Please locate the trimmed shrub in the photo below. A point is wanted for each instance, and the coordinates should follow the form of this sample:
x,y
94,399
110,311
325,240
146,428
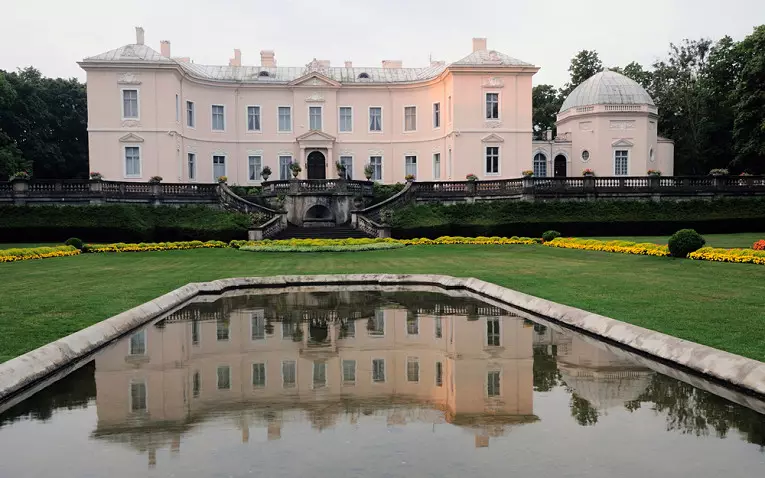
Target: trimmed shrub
x,y
548,236
75,242
685,241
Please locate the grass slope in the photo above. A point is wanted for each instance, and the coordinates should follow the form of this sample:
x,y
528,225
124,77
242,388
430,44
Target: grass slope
x,y
716,304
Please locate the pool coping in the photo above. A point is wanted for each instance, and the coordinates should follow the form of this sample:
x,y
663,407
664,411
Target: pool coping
x,y
25,371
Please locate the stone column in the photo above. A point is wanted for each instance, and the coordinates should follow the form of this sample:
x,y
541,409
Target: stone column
x,y
329,164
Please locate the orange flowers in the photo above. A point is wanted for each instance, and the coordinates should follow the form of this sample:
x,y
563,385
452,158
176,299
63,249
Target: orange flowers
x,y
759,245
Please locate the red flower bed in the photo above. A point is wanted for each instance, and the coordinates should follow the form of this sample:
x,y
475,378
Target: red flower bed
x,y
759,245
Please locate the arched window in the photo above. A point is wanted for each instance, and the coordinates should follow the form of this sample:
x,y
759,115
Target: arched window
x,y
540,165
363,76
264,73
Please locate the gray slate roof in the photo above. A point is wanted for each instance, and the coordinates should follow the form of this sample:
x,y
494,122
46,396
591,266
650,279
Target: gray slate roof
x,y
607,88
252,74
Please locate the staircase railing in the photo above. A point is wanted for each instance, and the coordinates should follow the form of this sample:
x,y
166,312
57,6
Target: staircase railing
x,y
267,222
368,219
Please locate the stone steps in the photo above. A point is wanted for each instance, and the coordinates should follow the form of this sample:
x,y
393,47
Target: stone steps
x,y
337,232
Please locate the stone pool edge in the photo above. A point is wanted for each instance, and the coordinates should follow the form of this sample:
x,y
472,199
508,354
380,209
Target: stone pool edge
x,y
24,371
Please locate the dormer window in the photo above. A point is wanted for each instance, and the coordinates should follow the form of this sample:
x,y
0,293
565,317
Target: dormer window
x,y
264,74
363,76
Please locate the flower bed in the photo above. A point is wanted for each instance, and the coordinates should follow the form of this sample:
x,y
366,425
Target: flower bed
x,y
13,255
759,245
376,246
745,256
624,247
153,246
480,240
309,242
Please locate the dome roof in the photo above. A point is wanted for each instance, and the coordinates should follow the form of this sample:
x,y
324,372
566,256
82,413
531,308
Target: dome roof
x,y
607,88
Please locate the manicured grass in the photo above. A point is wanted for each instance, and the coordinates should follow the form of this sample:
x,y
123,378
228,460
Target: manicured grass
x,y
740,240
716,304
27,245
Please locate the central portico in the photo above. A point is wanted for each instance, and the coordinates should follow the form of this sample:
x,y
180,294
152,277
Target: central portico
x,y
316,154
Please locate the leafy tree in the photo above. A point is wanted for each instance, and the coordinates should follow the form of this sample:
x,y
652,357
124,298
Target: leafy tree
x,y
635,71
585,64
546,100
749,120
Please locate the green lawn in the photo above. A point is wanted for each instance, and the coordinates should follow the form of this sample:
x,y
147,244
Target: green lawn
x,y
741,240
23,245
716,304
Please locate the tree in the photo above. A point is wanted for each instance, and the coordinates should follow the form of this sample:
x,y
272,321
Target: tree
x,y
585,64
546,100
749,120
635,71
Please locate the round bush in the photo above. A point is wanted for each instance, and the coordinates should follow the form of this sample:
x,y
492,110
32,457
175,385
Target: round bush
x,y
685,241
74,241
550,235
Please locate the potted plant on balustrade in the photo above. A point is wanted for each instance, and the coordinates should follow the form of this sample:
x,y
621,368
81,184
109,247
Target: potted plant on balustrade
x,y
96,179
653,178
369,171
222,179
154,185
471,177
589,178
410,177
295,168
719,175
340,167
20,181
527,177
266,173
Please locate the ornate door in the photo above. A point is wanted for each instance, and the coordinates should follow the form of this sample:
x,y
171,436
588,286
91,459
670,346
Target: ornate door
x,y
317,168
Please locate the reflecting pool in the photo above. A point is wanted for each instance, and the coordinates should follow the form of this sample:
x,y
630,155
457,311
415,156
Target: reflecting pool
x,y
373,383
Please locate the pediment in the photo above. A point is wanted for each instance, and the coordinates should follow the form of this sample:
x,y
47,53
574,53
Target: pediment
x,y
623,143
315,136
314,79
131,138
492,138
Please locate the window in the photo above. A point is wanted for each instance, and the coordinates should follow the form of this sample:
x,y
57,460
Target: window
x,y
195,330
133,161
540,165
411,165
222,330
285,119
319,374
218,117
436,165
284,167
129,104
289,373
375,118
196,384
190,115
439,328
347,162
346,119
449,164
651,156
349,371
621,157
412,369
363,76
177,108
439,374
254,167
264,74
585,155
314,118
219,166
436,115
258,375
192,166
138,343
412,324
253,118
376,162
378,370
224,377
492,384
410,118
349,329
377,327
492,332
449,108
138,396
257,326
492,105
288,329
492,160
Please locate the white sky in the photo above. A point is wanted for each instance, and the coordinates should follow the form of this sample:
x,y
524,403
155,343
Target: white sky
x,y
53,35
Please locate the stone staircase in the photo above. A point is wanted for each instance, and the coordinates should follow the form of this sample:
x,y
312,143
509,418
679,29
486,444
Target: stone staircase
x,y
338,232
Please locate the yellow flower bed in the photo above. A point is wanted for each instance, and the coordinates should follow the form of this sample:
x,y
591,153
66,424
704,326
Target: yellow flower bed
x,y
624,247
407,242
13,255
745,256
481,240
154,246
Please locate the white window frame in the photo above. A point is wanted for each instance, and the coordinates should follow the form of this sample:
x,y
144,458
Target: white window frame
x,y
265,375
279,165
212,119
372,371
198,324
351,157
342,372
137,117
437,170
486,331
193,105
499,159
369,120
370,332
196,392
247,119
228,331
281,371
486,383
416,327
340,119
436,321
406,156
407,131
627,150
382,165
188,169
435,373
321,117
145,344
533,164
217,382
145,398
486,102
313,374
257,173
439,116
413,360
225,165
278,124
257,315
124,161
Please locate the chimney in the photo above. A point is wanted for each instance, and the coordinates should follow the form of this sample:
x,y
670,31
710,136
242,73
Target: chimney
x,y
237,60
139,35
392,63
479,44
267,58
164,48
349,64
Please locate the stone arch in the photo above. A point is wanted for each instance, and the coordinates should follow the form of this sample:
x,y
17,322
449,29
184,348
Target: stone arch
x,y
318,212
560,166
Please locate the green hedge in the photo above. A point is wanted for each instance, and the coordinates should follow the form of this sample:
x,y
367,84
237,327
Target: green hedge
x,y
590,218
120,223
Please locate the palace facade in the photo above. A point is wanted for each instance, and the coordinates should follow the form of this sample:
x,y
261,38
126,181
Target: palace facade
x,y
153,114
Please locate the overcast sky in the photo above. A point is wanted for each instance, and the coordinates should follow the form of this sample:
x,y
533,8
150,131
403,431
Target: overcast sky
x,y
53,35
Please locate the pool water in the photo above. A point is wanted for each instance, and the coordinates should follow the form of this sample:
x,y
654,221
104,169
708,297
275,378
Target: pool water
x,y
372,383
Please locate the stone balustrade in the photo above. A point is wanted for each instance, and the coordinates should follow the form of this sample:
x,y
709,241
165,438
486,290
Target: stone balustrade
x,y
313,186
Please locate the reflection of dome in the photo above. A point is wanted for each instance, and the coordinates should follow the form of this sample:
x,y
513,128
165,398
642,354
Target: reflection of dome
x,y
606,389
607,88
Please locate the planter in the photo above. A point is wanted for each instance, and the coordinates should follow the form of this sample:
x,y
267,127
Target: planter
x,y
528,182
96,185
653,181
20,185
266,176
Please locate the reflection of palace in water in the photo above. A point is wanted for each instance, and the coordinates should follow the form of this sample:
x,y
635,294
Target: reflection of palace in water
x,y
263,360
